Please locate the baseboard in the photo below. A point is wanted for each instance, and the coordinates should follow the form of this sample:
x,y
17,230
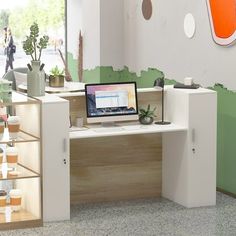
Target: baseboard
x,y
226,192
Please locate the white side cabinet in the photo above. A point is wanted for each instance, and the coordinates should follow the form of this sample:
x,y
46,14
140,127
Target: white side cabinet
x,y
189,159
56,163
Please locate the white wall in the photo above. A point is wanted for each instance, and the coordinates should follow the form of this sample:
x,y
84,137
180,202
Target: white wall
x,y
112,33
102,25
74,24
161,43
84,15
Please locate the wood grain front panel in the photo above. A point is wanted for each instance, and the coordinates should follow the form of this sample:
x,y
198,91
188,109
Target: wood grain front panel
x,y
115,168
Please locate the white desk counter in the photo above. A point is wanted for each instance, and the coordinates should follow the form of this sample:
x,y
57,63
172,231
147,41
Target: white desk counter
x,y
94,131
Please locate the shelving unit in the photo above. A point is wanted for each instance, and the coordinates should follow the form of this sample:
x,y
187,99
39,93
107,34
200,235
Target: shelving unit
x,y
29,167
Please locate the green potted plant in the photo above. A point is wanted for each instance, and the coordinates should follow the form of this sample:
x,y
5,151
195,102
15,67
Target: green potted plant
x,y
146,116
56,77
33,46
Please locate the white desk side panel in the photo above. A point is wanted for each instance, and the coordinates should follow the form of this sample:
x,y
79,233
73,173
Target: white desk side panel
x,y
56,174
190,178
174,156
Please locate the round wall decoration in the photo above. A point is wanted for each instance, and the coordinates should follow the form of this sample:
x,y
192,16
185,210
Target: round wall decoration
x,y
189,25
147,9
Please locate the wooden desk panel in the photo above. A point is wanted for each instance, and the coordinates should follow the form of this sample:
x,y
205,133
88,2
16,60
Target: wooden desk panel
x,y
116,168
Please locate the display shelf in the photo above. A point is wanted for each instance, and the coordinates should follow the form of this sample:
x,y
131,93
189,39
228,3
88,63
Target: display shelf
x,y
18,99
20,219
22,137
22,173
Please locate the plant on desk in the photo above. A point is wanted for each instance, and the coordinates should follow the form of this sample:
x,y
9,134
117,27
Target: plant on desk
x,y
146,117
33,46
56,78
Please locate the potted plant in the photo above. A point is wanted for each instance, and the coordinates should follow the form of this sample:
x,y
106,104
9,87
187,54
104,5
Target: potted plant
x,y
56,78
33,46
146,116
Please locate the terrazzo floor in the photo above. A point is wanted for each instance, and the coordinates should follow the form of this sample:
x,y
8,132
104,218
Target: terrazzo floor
x,y
141,218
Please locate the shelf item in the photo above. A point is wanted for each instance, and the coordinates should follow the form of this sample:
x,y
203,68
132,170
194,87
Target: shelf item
x,y
19,99
13,123
15,199
19,219
22,137
3,200
11,156
20,172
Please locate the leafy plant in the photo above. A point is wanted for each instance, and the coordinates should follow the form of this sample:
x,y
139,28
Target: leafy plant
x,y
55,71
148,112
33,45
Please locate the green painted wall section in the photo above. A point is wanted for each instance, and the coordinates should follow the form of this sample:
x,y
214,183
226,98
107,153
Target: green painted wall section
x,y
72,66
226,139
105,74
226,123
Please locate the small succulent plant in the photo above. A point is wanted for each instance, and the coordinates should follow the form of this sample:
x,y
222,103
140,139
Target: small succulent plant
x,y
55,71
148,112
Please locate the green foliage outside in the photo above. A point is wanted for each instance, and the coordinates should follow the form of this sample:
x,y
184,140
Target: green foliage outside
x,y
49,14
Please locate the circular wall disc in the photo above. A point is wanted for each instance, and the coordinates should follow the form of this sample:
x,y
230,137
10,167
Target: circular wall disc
x,y
147,9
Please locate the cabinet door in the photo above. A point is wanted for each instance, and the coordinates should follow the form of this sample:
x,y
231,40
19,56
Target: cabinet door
x,y
56,176
202,149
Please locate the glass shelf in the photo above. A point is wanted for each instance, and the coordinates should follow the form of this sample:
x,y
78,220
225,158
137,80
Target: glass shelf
x,y
18,99
9,216
21,172
22,137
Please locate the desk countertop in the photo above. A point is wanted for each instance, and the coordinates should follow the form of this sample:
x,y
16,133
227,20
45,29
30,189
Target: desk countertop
x,y
94,131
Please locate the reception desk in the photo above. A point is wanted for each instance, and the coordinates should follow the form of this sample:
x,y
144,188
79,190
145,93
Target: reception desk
x,y
177,161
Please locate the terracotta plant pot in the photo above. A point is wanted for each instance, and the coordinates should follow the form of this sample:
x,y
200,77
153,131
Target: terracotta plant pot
x,y
56,81
146,120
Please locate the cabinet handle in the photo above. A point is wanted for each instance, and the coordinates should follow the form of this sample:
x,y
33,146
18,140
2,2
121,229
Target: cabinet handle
x,y
193,135
64,145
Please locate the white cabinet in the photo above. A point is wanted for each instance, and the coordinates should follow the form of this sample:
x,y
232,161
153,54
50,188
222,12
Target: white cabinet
x,y
189,159
56,163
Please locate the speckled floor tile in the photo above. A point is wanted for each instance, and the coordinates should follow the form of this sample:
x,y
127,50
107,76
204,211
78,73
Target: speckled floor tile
x,y
152,217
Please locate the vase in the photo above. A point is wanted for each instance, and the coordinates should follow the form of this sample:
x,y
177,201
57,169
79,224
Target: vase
x,y
145,120
35,80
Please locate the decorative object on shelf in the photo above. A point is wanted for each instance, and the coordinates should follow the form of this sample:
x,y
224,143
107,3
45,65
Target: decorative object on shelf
x,y
5,90
12,157
160,83
3,201
147,9
79,122
13,123
1,159
56,78
189,25
67,73
80,58
146,117
15,199
2,126
35,75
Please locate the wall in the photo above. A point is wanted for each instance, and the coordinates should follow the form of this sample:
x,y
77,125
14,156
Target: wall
x,y
83,15
149,47
161,43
